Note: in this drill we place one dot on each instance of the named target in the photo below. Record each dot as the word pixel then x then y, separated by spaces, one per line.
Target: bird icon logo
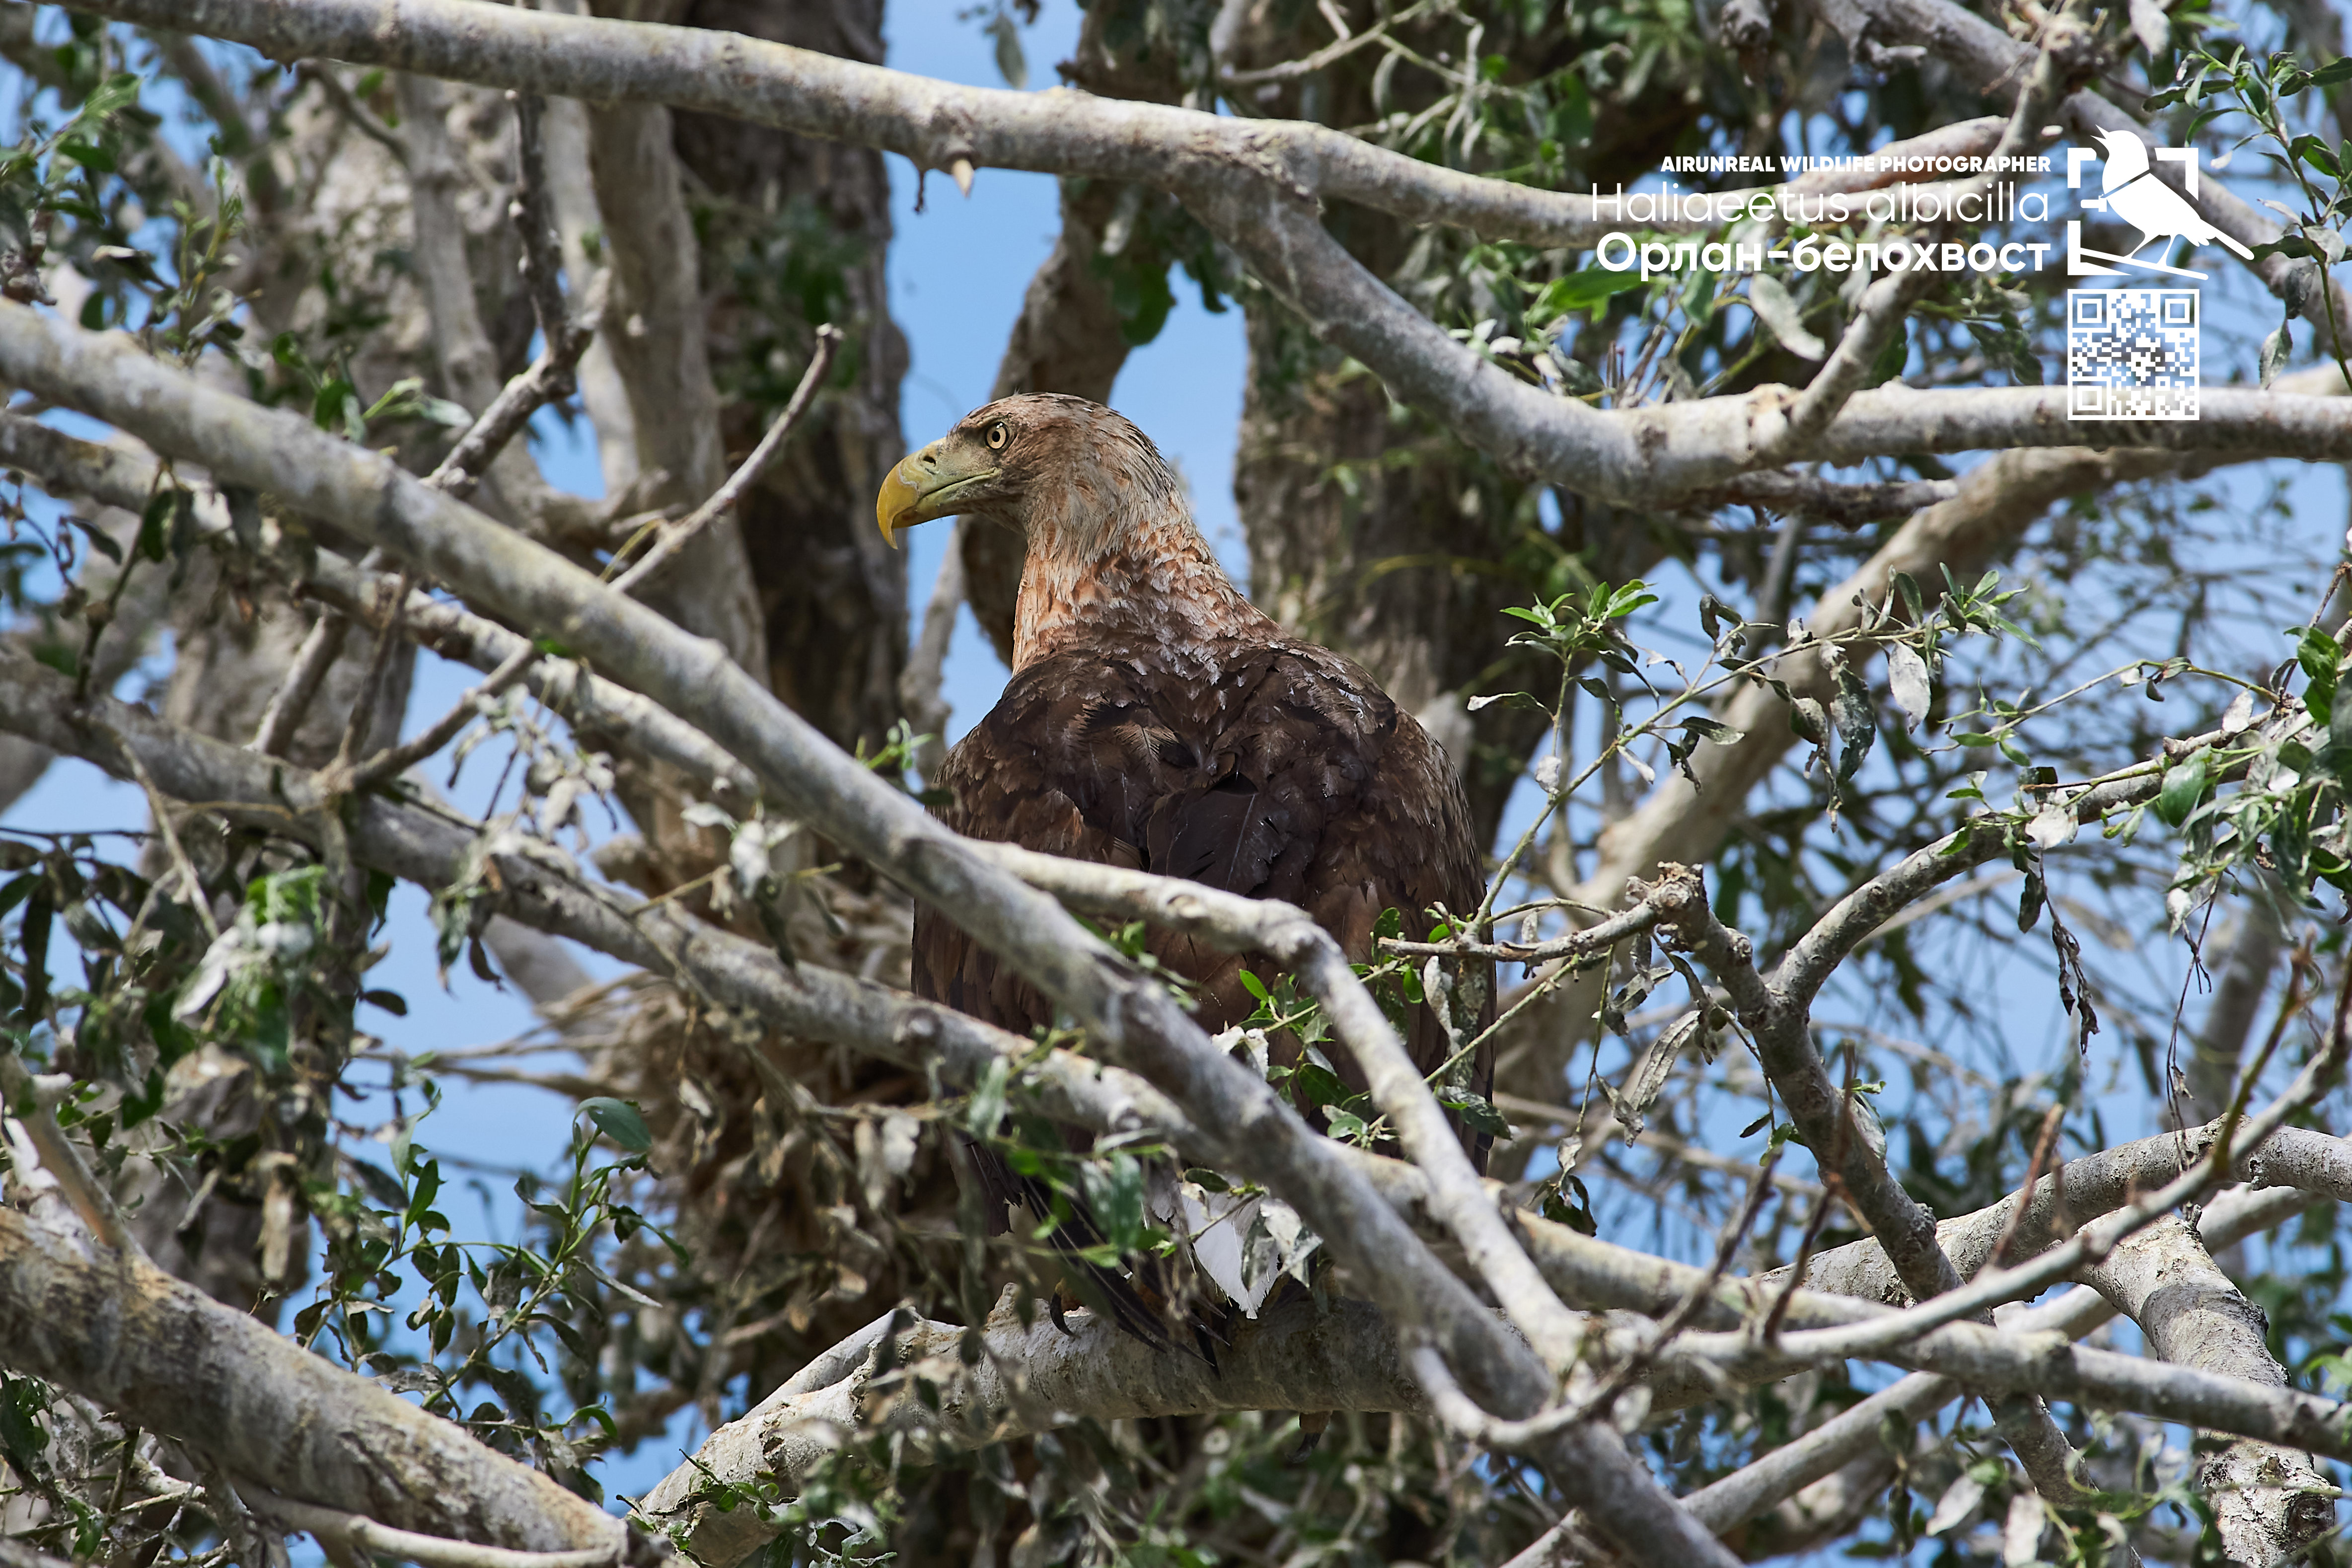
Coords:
pixel 2130 189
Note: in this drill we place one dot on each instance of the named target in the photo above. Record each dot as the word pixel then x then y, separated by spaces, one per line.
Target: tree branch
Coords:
pixel 1755 1489
pixel 2269 1502
pixel 344 1535
pixel 1806 495
pixel 662 353
pixel 2087 1248
pixel 1258 183
pixel 818 1004
pixel 721 502
pixel 461 345
pixel 1027 1378
pixel 34 1102
pixel 1256 1132
pixel 1685 821
pixel 2067 54
pixel 172 1360
pixel 1990 58
pixel 361 491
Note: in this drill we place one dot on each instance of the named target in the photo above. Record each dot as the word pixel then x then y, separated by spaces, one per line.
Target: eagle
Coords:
pixel 1156 720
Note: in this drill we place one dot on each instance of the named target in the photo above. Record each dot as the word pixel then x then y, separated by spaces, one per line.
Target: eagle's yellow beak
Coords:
pixel 924 486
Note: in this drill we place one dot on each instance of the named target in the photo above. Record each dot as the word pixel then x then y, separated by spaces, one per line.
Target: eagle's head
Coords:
pixel 1064 471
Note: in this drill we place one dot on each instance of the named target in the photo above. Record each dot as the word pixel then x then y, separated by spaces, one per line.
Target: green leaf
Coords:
pixel 1891 359
pixel 90 155
pixel 99 538
pixel 2184 786
pixel 987 1106
pixel 1476 1111
pixel 1908 588
pixel 22 1436
pixel 1319 1085
pixel 1114 1189
pixel 155 522
pixel 1012 64
pixel 2319 655
pixel 1581 292
pixel 2274 354
pixel 620 1122
pixel 1856 719
pixel 1714 730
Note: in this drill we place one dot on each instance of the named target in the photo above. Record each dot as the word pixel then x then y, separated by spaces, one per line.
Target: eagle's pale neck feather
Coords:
pixel 1110 557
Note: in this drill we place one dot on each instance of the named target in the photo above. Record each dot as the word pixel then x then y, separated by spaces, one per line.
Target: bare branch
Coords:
pixel 1846 505
pixel 2067 54
pixel 818 1003
pixel 1578 947
pixel 191 884
pixel 461 345
pixel 1755 1489
pixel 1257 1133
pixel 2269 1503
pixel 2293 1158
pixel 1027 1378
pixel 2253 942
pixel 34 1102
pixel 548 378
pixel 662 356
pixel 746 473
pixel 1260 190
pixel 321 648
pixel 533 212
pixel 174 1360
pixel 2089 1247
pixel 932 123
pixel 379 659
pixel 395 759
pixel 345 1534
pixel 358 115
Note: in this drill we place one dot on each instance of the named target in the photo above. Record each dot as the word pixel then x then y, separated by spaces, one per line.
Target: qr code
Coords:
pixel 2131 353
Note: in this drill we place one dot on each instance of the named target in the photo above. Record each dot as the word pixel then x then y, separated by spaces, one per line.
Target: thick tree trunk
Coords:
pixel 781 212
pixel 1071 337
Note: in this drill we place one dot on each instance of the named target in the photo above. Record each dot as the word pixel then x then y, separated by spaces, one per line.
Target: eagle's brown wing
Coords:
pixel 1272 769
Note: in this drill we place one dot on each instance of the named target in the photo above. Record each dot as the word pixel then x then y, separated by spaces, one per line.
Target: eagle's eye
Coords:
pixel 999 434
